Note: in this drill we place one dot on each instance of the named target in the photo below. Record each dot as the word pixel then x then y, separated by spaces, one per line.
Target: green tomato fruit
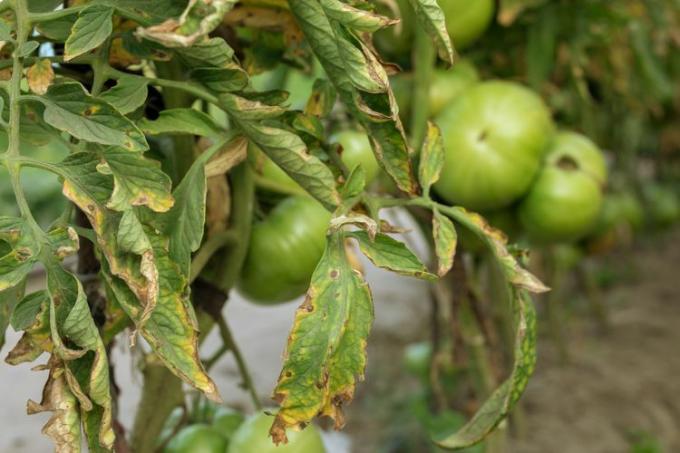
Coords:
pixel 226 421
pixel 565 201
pixel 447 85
pixel 662 204
pixel 197 439
pixel 356 150
pixel 494 136
pixel 284 250
pixel 466 21
pixel 253 437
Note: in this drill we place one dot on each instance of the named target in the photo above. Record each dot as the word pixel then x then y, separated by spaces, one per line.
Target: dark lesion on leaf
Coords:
pixel 334 274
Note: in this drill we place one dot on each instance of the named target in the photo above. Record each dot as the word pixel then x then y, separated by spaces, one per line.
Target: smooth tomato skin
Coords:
pixel 226 421
pixel 494 136
pixel 356 150
pixel 284 250
pixel 561 206
pixel 566 200
pixel 253 437
pixel 571 146
pixel 466 21
pixel 447 85
pixel 197 439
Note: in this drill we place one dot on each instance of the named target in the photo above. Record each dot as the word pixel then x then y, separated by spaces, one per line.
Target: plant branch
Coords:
pixel 208 249
pixel 230 344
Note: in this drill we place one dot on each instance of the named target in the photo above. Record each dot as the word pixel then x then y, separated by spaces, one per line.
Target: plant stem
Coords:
pixel 424 58
pixel 161 393
pixel 208 249
pixel 228 341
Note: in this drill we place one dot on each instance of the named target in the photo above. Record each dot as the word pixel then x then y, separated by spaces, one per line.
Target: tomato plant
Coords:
pixel 160 123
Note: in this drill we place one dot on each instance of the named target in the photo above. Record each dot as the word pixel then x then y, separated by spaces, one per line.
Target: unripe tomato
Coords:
pixel 447 85
pixel 466 21
pixel 494 138
pixel 565 201
pixel 356 150
pixel 396 41
pixel 197 439
pixel 226 421
pixel 284 250
pixel 253 437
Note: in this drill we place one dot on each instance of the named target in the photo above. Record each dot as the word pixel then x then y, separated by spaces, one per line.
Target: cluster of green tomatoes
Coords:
pixel 210 428
pixel 504 158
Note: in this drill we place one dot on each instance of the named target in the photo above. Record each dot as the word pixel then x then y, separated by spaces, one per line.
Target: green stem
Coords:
pixel 424 58
pixel 228 341
pixel 208 249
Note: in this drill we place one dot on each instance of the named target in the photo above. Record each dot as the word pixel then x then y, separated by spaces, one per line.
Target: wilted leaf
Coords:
pixel 64 424
pixel 69 108
pixel 445 240
pixel 388 253
pixel 25 248
pixel 362 84
pixel 326 350
pixel 93 26
pixel 431 18
pixel 285 148
pixel 431 158
pixel 9 299
pixel 503 399
pixel 40 76
pixel 137 181
pixel 221 79
pixel 128 95
pixel 171 329
pixel 355 18
pixel 74 322
pixel 198 19
pixel 322 100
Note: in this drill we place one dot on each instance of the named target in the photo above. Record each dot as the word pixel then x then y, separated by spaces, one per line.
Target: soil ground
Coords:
pixel 616 384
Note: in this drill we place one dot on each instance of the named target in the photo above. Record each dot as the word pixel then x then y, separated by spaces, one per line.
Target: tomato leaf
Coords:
pixel 64 424
pixel 68 107
pixel 362 84
pixel 445 241
pixel 285 148
pixel 171 328
pixel 40 76
pixel 181 121
pixel 504 398
pixel 71 312
pixel 355 18
pixel 431 18
pixel 128 95
pixel 431 158
pixel 25 248
pixel 322 100
pixel 388 253
pixel 93 26
pixel 221 79
pixel 137 181
pixel 326 350
pixel 9 299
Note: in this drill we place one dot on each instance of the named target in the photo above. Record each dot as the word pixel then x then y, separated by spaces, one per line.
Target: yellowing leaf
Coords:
pixel 40 76
pixel 326 350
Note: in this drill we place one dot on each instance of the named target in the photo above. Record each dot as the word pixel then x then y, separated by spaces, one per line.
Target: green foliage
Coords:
pixel 133 100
